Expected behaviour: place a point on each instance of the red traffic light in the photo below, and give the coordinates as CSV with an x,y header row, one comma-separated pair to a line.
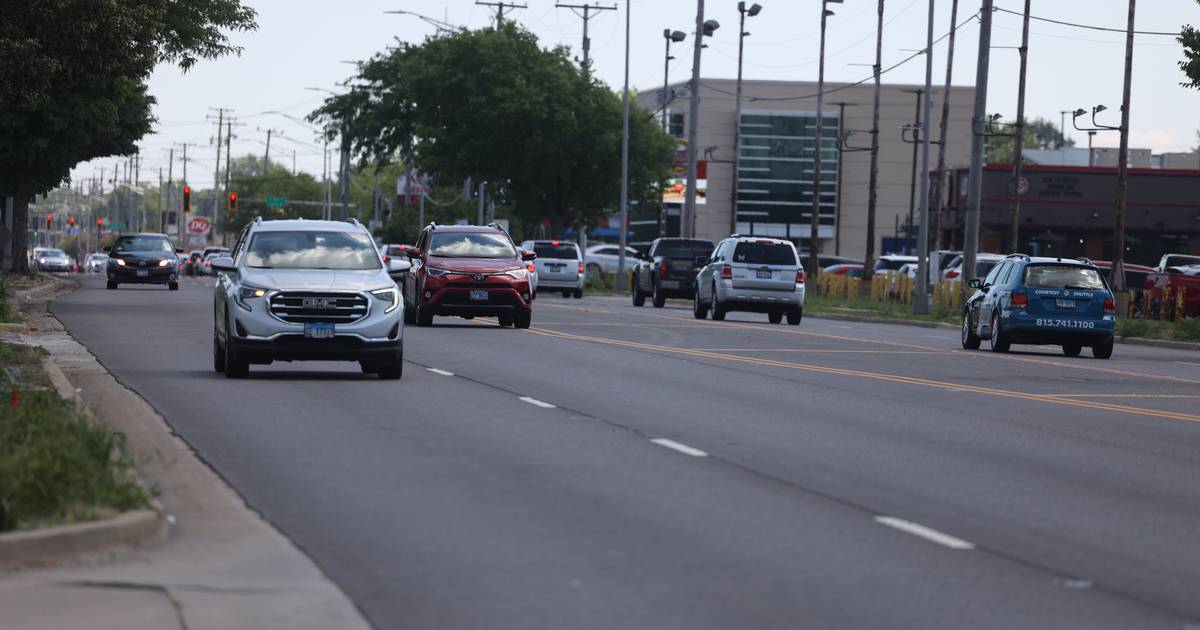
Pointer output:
x,y
187,199
49,220
71,221
233,202
99,222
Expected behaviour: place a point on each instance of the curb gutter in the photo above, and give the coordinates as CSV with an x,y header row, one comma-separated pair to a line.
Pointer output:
x,y
63,543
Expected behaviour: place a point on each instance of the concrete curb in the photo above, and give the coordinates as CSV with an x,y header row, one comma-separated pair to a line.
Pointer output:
x,y
61,384
1160,343
65,543
879,320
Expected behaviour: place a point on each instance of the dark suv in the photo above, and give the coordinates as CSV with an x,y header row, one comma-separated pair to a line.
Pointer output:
x,y
669,270
465,271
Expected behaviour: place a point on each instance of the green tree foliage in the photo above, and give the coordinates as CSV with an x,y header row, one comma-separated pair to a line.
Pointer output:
x,y
1039,134
74,74
494,106
1189,38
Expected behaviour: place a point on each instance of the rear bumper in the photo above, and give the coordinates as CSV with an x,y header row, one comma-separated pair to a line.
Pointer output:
x,y
758,299
1021,327
298,348
560,284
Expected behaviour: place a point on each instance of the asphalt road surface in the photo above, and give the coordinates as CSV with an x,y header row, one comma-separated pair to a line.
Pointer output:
x,y
615,467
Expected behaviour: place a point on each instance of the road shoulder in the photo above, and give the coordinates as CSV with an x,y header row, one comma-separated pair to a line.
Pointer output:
x,y
220,565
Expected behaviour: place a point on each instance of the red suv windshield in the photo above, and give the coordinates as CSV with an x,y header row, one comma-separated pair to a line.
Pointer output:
x,y
471,245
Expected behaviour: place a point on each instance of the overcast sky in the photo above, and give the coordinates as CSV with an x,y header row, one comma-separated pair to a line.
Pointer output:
x,y
304,43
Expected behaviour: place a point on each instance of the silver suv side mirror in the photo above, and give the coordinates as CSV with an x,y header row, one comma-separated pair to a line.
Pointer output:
x,y
223,263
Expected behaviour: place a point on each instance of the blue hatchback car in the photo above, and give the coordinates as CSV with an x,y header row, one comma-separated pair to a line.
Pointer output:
x,y
1041,301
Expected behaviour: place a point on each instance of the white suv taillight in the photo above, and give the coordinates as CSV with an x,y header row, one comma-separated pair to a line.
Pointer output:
x,y
800,276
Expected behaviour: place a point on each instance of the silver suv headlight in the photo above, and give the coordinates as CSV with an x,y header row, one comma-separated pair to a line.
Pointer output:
x,y
249,292
390,295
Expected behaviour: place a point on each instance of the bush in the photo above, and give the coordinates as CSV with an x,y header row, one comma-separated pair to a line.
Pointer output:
x,y
1127,327
57,465
1188,329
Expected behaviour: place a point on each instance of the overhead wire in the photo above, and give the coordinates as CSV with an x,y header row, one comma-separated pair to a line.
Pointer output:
x,y
1087,26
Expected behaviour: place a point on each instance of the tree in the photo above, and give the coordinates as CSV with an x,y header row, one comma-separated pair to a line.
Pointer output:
x,y
1189,37
74,74
1039,134
494,106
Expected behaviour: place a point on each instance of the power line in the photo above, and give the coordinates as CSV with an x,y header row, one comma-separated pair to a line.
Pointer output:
x,y
1088,26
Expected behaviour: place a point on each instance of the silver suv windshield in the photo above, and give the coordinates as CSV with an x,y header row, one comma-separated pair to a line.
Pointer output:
x,y
471,245
312,249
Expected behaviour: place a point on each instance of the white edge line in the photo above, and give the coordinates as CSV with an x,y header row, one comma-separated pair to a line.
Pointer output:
x,y
442,372
927,533
682,448
536,402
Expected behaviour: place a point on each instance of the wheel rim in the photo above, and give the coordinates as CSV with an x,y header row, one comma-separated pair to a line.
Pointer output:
x,y
714,300
994,341
966,327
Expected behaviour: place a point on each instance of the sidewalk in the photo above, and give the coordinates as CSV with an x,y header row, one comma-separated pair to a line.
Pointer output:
x,y
220,567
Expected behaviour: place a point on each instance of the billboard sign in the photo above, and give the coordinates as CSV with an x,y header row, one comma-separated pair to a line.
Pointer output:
x,y
199,226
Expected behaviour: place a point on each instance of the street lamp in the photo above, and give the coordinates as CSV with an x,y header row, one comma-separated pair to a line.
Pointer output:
x,y
703,29
745,12
813,243
671,37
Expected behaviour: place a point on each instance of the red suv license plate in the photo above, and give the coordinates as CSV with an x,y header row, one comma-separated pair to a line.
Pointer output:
x,y
479,295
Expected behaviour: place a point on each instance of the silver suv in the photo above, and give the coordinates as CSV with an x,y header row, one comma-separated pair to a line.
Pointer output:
x,y
755,274
306,290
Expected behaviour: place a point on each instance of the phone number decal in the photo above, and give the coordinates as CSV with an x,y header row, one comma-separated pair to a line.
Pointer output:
x,y
1066,323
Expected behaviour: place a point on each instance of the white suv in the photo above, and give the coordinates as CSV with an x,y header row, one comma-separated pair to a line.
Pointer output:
x,y
306,290
759,275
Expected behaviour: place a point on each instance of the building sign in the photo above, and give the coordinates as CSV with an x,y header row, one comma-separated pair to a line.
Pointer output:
x,y
198,226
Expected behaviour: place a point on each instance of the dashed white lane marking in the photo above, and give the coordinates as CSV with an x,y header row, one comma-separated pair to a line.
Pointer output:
x,y
536,402
927,533
1186,363
442,372
682,448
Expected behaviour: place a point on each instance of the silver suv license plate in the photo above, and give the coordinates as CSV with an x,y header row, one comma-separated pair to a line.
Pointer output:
x,y
318,331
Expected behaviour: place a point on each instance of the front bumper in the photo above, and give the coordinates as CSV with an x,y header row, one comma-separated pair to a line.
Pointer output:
x,y
295,347
54,266
758,299
454,298
153,275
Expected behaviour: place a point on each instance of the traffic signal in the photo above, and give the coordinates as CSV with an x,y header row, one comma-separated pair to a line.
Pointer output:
x,y
49,220
99,223
187,199
233,202
71,222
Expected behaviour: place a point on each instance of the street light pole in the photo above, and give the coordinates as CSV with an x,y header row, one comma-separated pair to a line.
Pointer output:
x,y
688,223
814,246
978,135
619,281
1014,215
921,299
873,194
752,11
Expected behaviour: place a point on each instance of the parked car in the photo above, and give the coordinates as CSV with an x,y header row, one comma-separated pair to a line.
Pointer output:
x,y
301,290
668,270
606,257
142,259
1135,279
891,263
1174,272
844,269
1041,301
52,259
984,263
468,271
559,266
829,260
754,274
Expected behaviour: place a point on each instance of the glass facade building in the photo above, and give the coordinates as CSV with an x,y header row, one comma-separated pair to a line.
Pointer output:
x,y
775,173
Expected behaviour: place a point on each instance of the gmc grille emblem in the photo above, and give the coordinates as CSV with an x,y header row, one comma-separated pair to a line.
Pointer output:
x,y
318,303
479,277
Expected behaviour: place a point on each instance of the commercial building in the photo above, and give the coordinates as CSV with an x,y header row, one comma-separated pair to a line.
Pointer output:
x,y
775,175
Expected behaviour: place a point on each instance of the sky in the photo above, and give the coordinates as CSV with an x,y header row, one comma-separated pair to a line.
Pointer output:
x,y
305,44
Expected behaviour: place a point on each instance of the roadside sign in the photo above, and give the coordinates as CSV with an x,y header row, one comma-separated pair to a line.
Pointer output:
x,y
276,201
116,225
198,226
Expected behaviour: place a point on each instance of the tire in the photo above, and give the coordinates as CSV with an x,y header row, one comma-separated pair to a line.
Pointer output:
x,y
795,315
775,317
970,341
998,342
111,285
1072,349
506,320
173,286
578,294
218,355
639,298
522,319
718,311
699,309
1103,350
424,317
393,371
235,365
659,299
410,315
566,294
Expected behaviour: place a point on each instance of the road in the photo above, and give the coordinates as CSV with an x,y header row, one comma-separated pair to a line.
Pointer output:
x,y
615,467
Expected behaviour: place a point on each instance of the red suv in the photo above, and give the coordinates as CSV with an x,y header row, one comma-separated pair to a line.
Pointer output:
x,y
464,271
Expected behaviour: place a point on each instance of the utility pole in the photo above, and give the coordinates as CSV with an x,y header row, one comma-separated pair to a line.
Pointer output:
x,y
480,200
344,177
162,204
912,182
941,162
267,153
217,169
1014,214
743,12
921,299
501,8
586,63
978,135
873,194
1117,274
688,220
228,170
837,212
170,205
619,281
